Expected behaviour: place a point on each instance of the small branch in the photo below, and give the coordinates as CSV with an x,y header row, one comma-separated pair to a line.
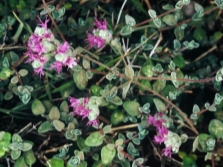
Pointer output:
x,y
119,15
12,47
43,144
56,148
206,53
148,4
157,43
124,127
53,21
27,126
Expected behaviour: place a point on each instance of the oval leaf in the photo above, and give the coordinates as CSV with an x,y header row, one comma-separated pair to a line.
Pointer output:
x,y
131,107
107,155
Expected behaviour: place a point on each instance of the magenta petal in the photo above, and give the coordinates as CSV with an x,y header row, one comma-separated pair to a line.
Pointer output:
x,y
43,24
94,41
167,151
39,71
70,62
57,66
100,24
63,48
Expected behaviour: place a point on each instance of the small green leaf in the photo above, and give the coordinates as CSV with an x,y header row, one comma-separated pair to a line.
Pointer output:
x,y
29,157
107,155
200,35
147,70
157,22
182,154
26,146
125,89
215,128
179,33
160,106
179,61
95,139
59,125
126,30
15,154
202,139
117,101
159,85
45,127
16,138
117,117
20,162
80,79
54,113
169,19
152,13
131,107
37,107
56,163
177,44
129,20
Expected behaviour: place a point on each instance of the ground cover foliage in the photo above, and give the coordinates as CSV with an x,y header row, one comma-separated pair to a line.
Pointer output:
x,y
111,83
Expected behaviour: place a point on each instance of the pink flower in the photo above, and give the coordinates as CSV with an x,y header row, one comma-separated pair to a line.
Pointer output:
x,y
43,24
158,139
80,109
48,35
151,119
73,101
162,130
70,62
158,122
94,41
39,71
63,48
167,151
57,66
93,123
100,24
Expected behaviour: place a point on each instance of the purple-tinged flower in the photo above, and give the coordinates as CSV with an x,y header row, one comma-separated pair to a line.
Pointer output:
x,y
162,131
158,122
100,24
159,139
57,65
43,24
73,101
93,123
94,41
167,151
100,35
39,71
81,108
63,48
151,119
70,62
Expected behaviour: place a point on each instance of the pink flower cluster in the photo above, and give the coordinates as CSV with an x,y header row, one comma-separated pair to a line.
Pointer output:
x,y
42,47
100,35
80,108
158,122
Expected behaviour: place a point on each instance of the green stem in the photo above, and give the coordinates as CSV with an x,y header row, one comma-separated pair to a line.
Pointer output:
x,y
19,30
6,111
48,89
142,27
91,54
109,64
64,86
